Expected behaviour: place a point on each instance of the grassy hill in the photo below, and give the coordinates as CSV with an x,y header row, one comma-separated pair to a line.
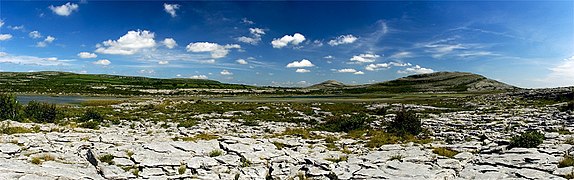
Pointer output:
x,y
64,82
434,82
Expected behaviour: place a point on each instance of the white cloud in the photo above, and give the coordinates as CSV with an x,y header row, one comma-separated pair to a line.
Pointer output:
x,y
347,70
171,8
146,71
209,61
562,74
32,60
35,35
64,10
329,57
247,21
343,39
103,62
4,37
359,72
287,39
415,70
163,62
46,41
199,77
299,64
400,55
302,70
365,58
226,73
1,23
169,43
216,50
3,54
128,44
376,67
255,38
241,61
85,55
21,27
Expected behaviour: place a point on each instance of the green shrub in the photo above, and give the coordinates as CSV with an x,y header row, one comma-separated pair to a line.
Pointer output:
x,y
530,139
250,122
398,157
6,128
444,152
569,106
187,123
91,115
345,124
566,161
406,122
245,162
181,169
279,145
9,107
107,158
215,152
40,112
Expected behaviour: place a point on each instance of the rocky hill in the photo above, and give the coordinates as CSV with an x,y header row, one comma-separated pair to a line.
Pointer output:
x,y
330,84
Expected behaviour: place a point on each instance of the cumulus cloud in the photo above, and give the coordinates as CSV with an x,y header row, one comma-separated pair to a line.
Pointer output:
x,y
169,43
247,21
359,72
32,60
329,57
365,58
241,61
64,10
343,39
128,44
376,67
226,73
103,62
21,27
171,8
255,37
4,37
163,62
415,70
35,35
287,39
199,77
85,55
299,64
347,70
48,40
216,50
302,71
146,71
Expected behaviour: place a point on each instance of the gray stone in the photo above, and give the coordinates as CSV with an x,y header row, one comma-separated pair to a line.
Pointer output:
x,y
123,162
9,148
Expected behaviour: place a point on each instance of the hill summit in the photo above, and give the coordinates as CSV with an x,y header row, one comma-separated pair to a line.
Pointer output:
x,y
329,84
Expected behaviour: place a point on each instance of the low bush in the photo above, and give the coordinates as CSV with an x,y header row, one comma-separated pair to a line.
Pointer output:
x,y
6,128
444,152
40,112
406,122
187,123
107,158
529,139
215,153
91,119
345,124
566,161
9,107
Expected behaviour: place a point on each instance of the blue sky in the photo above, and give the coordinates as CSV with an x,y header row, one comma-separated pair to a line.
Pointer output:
x,y
527,44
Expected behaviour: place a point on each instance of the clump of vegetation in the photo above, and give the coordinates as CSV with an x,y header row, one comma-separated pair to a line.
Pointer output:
x,y
569,141
91,119
181,168
100,102
215,153
245,162
529,139
379,138
331,139
345,124
279,145
566,161
42,158
6,128
187,123
569,106
444,152
107,158
40,112
9,107
299,132
406,122
336,160
398,157
250,122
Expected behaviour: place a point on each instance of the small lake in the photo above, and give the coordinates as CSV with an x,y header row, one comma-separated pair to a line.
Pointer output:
x,y
24,99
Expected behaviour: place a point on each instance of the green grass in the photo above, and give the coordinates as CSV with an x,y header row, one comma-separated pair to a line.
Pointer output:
x,y
566,161
197,137
7,128
245,162
396,157
181,168
336,160
107,158
444,152
279,145
215,153
42,158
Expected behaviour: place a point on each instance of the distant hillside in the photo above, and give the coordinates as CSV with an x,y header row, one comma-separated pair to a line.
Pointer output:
x,y
330,84
64,82
437,82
